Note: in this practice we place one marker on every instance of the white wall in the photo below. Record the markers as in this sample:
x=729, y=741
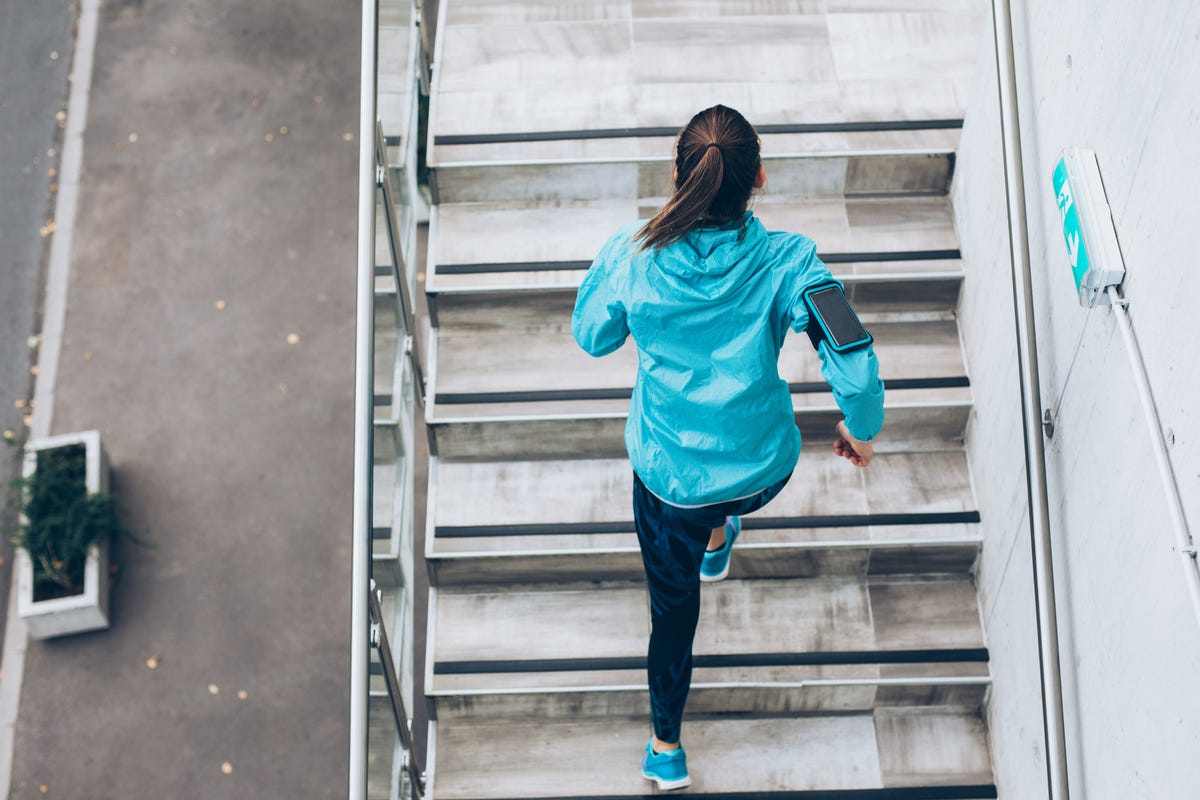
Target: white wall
x=1122, y=79
x=994, y=439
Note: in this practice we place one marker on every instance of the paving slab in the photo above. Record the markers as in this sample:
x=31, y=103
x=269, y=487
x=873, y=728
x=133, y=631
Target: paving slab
x=216, y=219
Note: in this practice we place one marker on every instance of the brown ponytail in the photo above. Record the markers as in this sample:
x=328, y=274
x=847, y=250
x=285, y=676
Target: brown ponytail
x=716, y=162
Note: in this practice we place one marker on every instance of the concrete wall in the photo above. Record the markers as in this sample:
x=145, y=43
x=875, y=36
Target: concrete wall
x=1119, y=78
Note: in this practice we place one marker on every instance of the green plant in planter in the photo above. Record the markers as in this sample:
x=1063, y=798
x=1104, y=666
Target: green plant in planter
x=62, y=520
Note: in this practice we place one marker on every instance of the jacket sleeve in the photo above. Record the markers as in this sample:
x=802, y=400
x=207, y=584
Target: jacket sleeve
x=854, y=376
x=599, y=323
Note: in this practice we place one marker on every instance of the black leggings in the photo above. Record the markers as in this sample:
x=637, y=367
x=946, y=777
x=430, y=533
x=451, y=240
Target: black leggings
x=673, y=540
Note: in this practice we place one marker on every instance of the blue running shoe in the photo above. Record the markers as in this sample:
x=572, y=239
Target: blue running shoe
x=716, y=563
x=668, y=769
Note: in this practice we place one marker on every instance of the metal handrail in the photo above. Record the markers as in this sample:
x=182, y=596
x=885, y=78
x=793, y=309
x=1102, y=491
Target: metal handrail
x=1035, y=456
x=379, y=640
x=364, y=386
x=1185, y=546
x=366, y=618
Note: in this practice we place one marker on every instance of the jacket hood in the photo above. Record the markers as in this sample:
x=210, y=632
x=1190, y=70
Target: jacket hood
x=713, y=260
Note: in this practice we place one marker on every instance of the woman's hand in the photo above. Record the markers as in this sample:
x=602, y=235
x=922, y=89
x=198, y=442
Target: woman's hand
x=857, y=453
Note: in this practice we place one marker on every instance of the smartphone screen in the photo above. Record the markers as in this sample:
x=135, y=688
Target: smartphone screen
x=839, y=318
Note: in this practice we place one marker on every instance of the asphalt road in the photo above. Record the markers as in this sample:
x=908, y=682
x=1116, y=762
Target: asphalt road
x=35, y=54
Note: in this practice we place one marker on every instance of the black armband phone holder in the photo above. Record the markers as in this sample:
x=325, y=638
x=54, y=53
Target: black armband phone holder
x=832, y=320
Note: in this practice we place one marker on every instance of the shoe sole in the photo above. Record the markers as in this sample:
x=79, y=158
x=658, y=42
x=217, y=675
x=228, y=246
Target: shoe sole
x=666, y=786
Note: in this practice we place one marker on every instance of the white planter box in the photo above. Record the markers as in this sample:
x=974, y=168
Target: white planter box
x=77, y=613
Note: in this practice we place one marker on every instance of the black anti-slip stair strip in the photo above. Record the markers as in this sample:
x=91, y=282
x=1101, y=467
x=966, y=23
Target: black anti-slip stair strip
x=982, y=791
x=510, y=266
x=653, y=131
x=923, y=656
x=890, y=255
x=748, y=523
x=828, y=258
x=621, y=393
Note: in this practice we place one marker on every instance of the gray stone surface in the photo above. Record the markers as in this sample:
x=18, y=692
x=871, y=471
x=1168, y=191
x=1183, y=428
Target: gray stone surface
x=35, y=55
x=231, y=448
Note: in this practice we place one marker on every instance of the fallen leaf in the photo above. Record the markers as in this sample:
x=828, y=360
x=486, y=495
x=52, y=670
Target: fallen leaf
x=9, y=434
x=243, y=694
x=283, y=129
x=420, y=277
x=226, y=767
x=34, y=341
x=54, y=55
x=53, y=188
x=133, y=137
x=19, y=403
x=152, y=662
x=28, y=420
x=293, y=338
x=33, y=370
x=87, y=356
x=48, y=229
x=52, y=172
x=270, y=137
x=52, y=152
x=173, y=50
x=213, y=688
x=347, y=137
x=60, y=116
x=220, y=304
x=43, y=788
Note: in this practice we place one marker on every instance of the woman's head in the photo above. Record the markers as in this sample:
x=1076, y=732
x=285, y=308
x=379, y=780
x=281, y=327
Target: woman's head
x=717, y=166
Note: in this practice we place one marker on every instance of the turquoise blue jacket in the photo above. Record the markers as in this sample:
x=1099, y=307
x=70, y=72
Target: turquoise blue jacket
x=710, y=418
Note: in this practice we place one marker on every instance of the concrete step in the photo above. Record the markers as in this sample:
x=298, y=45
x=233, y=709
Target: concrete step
x=908, y=513
x=649, y=177
x=571, y=650
x=488, y=370
x=581, y=627
x=916, y=419
x=728, y=689
x=888, y=753
x=637, y=142
x=514, y=69
x=768, y=553
x=488, y=248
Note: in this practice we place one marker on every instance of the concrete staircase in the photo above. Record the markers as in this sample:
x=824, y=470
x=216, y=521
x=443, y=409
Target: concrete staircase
x=844, y=656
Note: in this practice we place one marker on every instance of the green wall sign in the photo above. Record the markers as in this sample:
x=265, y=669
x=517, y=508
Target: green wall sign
x=1087, y=226
x=1068, y=212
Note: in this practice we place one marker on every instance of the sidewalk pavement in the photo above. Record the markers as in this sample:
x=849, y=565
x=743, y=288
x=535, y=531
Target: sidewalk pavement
x=35, y=50
x=210, y=336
